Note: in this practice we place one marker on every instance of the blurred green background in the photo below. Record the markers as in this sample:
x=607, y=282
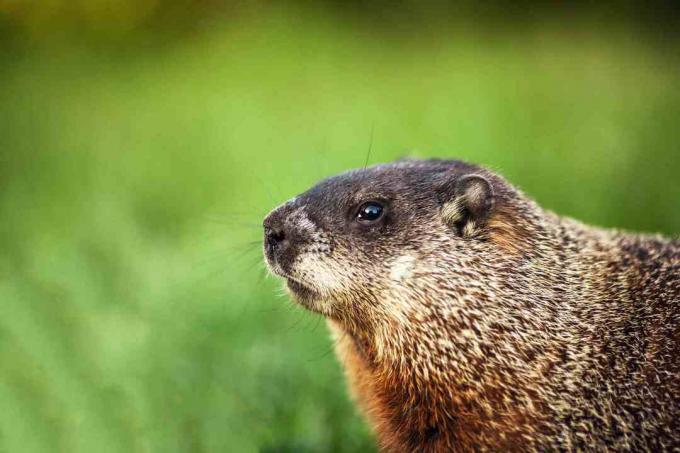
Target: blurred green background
x=142, y=142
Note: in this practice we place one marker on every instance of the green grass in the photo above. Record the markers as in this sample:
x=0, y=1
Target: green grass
x=134, y=311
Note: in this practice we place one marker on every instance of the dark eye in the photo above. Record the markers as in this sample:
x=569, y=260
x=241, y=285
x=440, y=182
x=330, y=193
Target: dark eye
x=370, y=212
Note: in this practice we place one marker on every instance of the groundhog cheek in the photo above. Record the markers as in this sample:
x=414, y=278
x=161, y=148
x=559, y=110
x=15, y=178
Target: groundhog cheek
x=319, y=273
x=402, y=267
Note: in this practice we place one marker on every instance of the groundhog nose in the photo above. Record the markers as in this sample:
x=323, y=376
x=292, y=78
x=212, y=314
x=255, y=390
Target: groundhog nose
x=274, y=236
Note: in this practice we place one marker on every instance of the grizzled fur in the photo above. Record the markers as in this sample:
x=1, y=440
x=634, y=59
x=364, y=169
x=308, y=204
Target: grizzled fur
x=468, y=318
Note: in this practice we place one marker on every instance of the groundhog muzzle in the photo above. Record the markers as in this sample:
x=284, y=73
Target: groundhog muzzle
x=469, y=318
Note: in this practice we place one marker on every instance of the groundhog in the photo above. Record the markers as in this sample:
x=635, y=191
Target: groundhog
x=469, y=318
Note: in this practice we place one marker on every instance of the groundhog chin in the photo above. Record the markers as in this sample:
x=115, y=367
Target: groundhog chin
x=305, y=296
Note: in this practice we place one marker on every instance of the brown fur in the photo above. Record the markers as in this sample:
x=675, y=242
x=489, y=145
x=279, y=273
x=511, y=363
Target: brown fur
x=520, y=330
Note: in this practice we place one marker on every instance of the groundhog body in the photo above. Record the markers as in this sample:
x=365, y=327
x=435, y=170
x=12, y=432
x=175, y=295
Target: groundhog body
x=469, y=318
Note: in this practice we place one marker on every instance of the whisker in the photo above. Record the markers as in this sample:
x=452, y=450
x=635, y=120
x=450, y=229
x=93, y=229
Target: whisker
x=370, y=145
x=300, y=318
x=233, y=253
x=224, y=222
x=330, y=349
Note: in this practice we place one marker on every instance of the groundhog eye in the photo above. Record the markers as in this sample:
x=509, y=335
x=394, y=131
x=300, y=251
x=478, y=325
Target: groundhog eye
x=370, y=211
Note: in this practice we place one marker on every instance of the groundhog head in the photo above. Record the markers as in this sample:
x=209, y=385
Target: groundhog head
x=353, y=237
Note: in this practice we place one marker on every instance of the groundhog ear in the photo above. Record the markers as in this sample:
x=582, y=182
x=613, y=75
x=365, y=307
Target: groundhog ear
x=466, y=203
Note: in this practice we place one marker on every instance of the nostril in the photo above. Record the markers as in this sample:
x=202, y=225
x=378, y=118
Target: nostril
x=274, y=236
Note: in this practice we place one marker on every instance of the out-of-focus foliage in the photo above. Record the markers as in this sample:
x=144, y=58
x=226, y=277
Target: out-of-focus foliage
x=118, y=20
x=97, y=20
x=134, y=311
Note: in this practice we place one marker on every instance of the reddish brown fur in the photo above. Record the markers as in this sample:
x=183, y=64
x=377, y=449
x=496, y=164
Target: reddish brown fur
x=521, y=330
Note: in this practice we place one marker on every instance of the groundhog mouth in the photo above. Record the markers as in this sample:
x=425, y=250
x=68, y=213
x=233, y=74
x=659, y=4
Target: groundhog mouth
x=302, y=293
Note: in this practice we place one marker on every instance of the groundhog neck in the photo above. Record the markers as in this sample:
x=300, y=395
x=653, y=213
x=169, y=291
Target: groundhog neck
x=461, y=362
x=489, y=362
